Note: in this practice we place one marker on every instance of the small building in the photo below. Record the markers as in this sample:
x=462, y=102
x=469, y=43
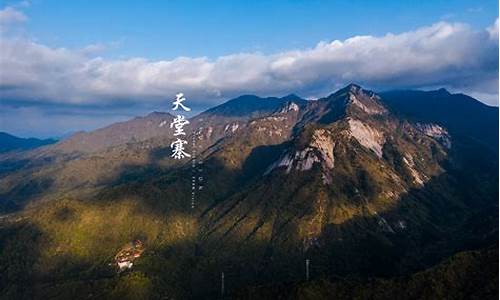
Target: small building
x=125, y=257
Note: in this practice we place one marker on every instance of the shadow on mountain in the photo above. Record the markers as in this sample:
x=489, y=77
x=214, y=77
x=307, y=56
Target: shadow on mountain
x=452, y=212
x=192, y=270
x=465, y=117
x=22, y=194
x=260, y=159
x=24, y=188
x=466, y=275
x=19, y=251
x=360, y=249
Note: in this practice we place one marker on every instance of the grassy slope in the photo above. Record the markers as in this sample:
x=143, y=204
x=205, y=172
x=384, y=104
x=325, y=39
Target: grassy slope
x=62, y=249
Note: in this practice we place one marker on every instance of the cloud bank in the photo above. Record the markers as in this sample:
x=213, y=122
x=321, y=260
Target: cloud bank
x=10, y=15
x=450, y=55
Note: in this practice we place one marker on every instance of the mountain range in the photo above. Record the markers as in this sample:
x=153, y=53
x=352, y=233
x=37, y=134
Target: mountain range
x=10, y=142
x=378, y=192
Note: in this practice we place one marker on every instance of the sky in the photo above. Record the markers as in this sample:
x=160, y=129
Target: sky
x=79, y=65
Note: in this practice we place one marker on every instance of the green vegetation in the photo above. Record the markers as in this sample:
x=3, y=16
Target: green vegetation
x=374, y=224
x=466, y=275
x=69, y=242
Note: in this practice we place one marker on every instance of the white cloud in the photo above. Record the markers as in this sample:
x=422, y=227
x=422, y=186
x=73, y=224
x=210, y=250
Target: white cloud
x=10, y=15
x=493, y=30
x=444, y=54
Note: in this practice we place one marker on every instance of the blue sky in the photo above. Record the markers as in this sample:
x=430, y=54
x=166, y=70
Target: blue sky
x=79, y=65
x=167, y=29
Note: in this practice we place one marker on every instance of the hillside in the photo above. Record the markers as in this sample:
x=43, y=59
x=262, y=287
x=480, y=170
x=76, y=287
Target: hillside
x=466, y=275
x=363, y=190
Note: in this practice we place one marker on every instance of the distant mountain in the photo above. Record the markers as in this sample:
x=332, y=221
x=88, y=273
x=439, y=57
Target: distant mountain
x=364, y=186
x=9, y=142
x=462, y=115
x=132, y=131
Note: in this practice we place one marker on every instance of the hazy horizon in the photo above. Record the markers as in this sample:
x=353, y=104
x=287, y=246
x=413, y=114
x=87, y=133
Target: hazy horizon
x=167, y=109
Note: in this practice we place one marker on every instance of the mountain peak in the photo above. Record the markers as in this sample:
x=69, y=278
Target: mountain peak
x=291, y=97
x=354, y=98
x=353, y=87
x=443, y=91
x=251, y=106
x=158, y=114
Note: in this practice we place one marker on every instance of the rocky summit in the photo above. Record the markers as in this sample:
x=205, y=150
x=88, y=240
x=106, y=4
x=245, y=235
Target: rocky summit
x=354, y=195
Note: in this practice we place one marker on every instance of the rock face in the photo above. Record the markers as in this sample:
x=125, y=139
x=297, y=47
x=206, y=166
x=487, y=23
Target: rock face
x=288, y=107
x=367, y=136
x=319, y=150
x=341, y=172
x=366, y=101
x=435, y=131
x=355, y=187
x=408, y=160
